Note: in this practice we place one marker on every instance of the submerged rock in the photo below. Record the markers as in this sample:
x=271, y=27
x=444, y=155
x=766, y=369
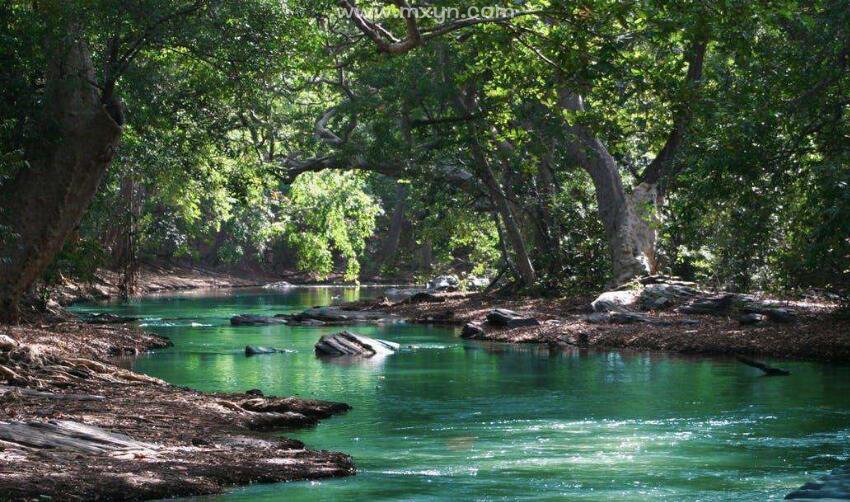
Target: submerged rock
x=833, y=486
x=336, y=315
x=255, y=320
x=305, y=322
x=254, y=350
x=108, y=318
x=346, y=343
x=510, y=319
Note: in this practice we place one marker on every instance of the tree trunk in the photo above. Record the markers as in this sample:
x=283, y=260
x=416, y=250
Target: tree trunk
x=427, y=254
x=512, y=231
x=389, y=247
x=631, y=239
x=43, y=203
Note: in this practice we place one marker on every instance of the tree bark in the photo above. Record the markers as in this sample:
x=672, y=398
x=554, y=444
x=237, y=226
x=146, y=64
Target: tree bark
x=43, y=203
x=623, y=229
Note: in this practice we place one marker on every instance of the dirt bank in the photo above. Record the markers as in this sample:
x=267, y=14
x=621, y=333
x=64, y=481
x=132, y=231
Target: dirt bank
x=816, y=334
x=153, y=440
x=154, y=279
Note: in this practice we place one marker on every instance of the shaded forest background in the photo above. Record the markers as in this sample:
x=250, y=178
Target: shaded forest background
x=711, y=140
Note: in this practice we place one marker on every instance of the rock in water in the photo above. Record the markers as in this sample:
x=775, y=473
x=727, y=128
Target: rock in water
x=510, y=319
x=255, y=320
x=108, y=318
x=346, y=343
x=254, y=350
x=336, y=315
x=472, y=331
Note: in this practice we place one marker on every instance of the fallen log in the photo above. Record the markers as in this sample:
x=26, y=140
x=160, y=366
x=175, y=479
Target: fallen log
x=70, y=436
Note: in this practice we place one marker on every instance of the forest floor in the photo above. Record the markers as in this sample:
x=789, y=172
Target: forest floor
x=153, y=440
x=817, y=333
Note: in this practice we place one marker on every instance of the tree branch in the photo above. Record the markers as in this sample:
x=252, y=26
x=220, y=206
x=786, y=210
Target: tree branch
x=661, y=166
x=390, y=44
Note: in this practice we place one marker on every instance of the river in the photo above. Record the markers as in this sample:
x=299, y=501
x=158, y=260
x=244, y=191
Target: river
x=450, y=419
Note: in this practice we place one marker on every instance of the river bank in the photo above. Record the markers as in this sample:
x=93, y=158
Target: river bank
x=154, y=278
x=76, y=426
x=816, y=332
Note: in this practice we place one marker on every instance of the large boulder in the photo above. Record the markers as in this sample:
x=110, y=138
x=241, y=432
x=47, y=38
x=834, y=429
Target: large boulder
x=615, y=300
x=661, y=295
x=255, y=320
x=346, y=343
x=712, y=305
x=510, y=319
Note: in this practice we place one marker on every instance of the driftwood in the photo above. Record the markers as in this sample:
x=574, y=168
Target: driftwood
x=768, y=370
x=71, y=436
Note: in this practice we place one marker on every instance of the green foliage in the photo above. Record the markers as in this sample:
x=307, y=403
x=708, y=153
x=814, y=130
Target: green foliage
x=329, y=214
x=222, y=97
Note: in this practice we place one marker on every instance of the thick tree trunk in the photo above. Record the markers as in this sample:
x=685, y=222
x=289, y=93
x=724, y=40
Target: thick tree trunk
x=43, y=203
x=627, y=244
x=631, y=240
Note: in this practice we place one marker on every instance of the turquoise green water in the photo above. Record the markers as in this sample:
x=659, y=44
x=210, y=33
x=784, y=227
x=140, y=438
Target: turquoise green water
x=453, y=420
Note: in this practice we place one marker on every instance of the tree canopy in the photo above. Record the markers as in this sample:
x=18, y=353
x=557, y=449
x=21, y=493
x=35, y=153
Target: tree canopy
x=568, y=145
